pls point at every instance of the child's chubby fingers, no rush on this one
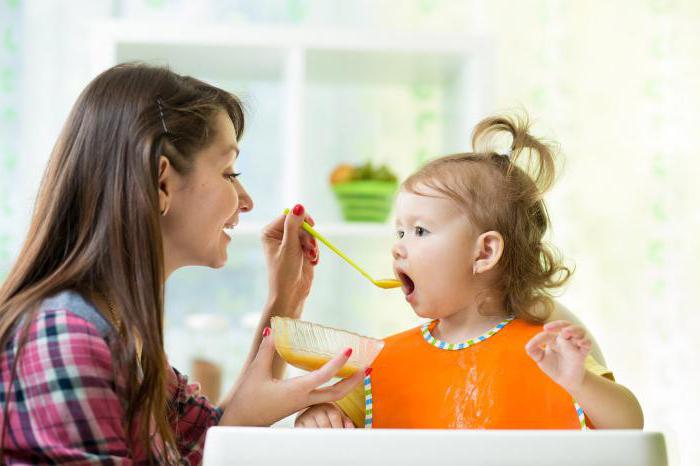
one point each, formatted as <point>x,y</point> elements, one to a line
<point>320,416</point>
<point>535,348</point>
<point>323,420</point>
<point>335,418</point>
<point>577,336</point>
<point>573,332</point>
<point>307,419</point>
<point>584,345</point>
<point>328,416</point>
<point>556,325</point>
<point>573,347</point>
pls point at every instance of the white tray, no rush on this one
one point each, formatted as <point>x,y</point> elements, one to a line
<point>336,447</point>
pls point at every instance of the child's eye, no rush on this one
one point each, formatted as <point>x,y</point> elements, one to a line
<point>399,233</point>
<point>420,231</point>
<point>231,177</point>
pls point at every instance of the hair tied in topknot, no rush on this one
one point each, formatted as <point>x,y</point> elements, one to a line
<point>507,154</point>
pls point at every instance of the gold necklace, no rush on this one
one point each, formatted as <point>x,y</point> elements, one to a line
<point>116,321</point>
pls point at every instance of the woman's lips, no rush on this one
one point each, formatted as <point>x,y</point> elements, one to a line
<point>229,227</point>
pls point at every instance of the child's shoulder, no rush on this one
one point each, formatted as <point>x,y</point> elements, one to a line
<point>521,329</point>
<point>517,331</point>
<point>405,336</point>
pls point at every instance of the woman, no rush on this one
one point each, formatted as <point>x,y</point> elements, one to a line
<point>140,183</point>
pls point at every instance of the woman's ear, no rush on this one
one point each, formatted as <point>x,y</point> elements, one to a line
<point>487,252</point>
<point>164,184</point>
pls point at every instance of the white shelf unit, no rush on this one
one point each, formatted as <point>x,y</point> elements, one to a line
<point>323,98</point>
<point>315,98</point>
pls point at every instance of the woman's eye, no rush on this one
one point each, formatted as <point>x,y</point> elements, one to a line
<point>420,231</point>
<point>231,177</point>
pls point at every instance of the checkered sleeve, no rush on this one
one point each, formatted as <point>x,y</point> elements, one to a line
<point>63,406</point>
<point>193,415</point>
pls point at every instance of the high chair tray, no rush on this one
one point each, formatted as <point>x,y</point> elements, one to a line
<point>344,447</point>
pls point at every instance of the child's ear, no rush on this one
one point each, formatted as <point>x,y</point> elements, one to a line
<point>488,251</point>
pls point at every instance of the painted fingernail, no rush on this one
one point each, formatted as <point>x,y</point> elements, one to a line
<point>368,371</point>
<point>348,352</point>
<point>298,210</point>
<point>266,332</point>
<point>314,262</point>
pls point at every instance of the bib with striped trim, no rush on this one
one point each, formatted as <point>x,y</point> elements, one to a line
<point>488,382</point>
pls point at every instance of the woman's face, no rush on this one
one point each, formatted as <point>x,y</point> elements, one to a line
<point>202,203</point>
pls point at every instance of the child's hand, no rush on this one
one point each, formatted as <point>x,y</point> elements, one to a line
<point>324,416</point>
<point>560,351</point>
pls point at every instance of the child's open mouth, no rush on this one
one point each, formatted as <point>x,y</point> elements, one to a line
<point>407,285</point>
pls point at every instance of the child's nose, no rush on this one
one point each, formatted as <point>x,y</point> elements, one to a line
<point>398,251</point>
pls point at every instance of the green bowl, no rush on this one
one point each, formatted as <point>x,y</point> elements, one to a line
<point>366,201</point>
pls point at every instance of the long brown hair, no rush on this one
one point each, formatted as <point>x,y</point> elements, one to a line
<point>504,192</point>
<point>96,222</point>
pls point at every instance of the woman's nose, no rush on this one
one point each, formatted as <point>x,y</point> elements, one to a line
<point>245,202</point>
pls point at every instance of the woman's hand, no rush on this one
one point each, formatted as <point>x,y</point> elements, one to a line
<point>560,350</point>
<point>323,416</point>
<point>291,254</point>
<point>261,400</point>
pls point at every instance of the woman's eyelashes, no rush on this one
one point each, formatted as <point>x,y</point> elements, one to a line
<point>231,177</point>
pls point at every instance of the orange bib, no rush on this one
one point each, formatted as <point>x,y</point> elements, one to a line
<point>486,383</point>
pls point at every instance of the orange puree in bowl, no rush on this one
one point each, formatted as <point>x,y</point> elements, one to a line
<point>311,362</point>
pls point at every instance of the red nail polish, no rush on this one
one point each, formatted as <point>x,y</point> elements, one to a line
<point>314,262</point>
<point>368,371</point>
<point>298,210</point>
<point>266,332</point>
<point>348,352</point>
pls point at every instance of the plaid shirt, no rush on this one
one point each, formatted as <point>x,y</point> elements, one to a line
<point>63,405</point>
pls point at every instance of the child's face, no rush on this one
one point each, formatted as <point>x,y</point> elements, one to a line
<point>434,253</point>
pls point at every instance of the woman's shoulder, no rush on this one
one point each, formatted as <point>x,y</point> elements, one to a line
<point>63,394</point>
<point>66,330</point>
<point>80,312</point>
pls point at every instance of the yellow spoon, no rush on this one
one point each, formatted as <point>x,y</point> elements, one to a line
<point>386,283</point>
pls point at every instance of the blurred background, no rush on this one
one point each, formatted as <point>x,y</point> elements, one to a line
<point>393,84</point>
